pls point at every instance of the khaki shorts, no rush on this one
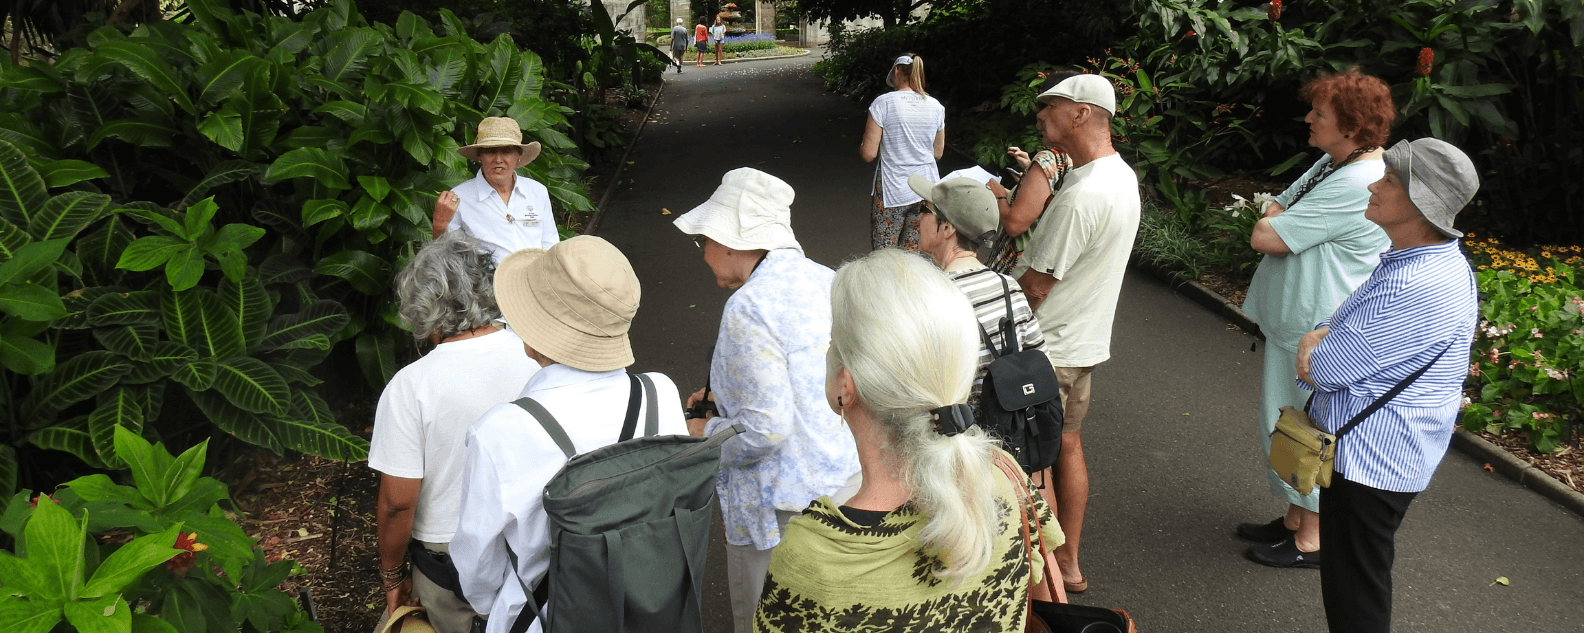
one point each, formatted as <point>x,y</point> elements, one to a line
<point>1075,385</point>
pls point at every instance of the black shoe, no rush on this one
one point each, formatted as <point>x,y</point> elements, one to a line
<point>1273,532</point>
<point>1284,554</point>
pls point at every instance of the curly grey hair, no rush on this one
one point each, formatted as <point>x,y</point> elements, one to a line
<point>448,288</point>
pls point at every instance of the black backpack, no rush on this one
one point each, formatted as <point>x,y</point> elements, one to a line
<point>1020,402</point>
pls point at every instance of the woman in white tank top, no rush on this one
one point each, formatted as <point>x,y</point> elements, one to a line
<point>907,132</point>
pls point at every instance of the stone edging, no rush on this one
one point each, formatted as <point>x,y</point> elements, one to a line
<point>1475,446</point>
<point>621,165</point>
<point>755,59</point>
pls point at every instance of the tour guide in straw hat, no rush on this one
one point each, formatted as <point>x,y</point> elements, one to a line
<point>572,306</point>
<point>505,210</point>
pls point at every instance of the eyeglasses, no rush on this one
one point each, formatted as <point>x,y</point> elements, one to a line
<point>698,240</point>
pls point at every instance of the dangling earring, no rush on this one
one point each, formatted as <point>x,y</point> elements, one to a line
<point>841,410</point>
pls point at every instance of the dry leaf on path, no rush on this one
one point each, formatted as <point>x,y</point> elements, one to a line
<point>665,211</point>
<point>1488,467</point>
<point>1501,580</point>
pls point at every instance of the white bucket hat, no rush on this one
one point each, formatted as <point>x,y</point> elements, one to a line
<point>499,131</point>
<point>751,210</point>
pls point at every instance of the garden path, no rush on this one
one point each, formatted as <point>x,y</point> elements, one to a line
<point>1173,460</point>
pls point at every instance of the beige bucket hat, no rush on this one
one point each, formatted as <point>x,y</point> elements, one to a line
<point>406,619</point>
<point>750,210</point>
<point>499,131</point>
<point>573,303</point>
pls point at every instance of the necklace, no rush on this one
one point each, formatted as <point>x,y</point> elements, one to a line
<point>1330,168</point>
<point>472,333</point>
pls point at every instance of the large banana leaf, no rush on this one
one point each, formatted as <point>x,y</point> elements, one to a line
<point>143,60</point>
<point>347,54</point>
<point>310,162</point>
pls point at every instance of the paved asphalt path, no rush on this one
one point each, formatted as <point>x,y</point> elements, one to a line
<point>1173,458</point>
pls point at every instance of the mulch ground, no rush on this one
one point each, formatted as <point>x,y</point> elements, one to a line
<point>1566,463</point>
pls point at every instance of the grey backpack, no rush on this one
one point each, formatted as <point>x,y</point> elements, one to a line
<point>629,528</point>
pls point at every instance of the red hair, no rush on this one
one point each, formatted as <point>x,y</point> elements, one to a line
<point>1362,103</point>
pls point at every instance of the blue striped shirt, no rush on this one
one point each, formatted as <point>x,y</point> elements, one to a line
<point>1415,302</point>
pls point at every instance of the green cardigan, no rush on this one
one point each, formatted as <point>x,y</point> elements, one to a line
<point>829,574</point>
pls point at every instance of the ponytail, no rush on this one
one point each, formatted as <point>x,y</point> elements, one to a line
<point>917,78</point>
<point>909,338</point>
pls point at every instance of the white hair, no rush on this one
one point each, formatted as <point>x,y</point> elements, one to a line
<point>908,337</point>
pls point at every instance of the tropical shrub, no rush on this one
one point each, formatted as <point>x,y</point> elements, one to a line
<point>1529,347</point>
<point>1499,79</point>
<point>159,556</point>
<point>228,199</point>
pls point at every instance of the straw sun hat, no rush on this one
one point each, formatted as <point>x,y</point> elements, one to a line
<point>573,303</point>
<point>499,131</point>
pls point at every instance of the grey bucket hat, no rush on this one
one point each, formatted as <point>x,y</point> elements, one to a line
<point>1439,178</point>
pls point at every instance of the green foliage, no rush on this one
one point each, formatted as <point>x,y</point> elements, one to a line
<point>1527,355</point>
<point>207,208</point>
<point>213,576</point>
<point>1498,79</point>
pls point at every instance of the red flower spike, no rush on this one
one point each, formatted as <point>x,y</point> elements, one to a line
<point>1274,11</point>
<point>182,562</point>
<point>1426,62</point>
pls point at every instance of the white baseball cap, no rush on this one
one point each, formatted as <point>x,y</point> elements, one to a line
<point>1091,89</point>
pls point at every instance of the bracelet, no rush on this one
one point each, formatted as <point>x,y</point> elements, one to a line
<point>392,577</point>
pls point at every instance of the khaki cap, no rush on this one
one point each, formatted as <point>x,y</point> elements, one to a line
<point>573,303</point>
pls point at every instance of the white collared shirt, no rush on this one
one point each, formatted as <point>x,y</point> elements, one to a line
<point>531,224</point>
<point>510,458</point>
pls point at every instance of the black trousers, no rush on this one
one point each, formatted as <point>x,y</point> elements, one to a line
<point>1358,530</point>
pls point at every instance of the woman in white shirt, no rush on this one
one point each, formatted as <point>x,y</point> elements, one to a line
<point>907,131</point>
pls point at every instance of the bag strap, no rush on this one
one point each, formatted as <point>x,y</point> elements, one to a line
<point>1019,481</point>
<point>551,426</point>
<point>537,595</point>
<point>634,399</point>
<point>1008,327</point>
<point>652,416</point>
<point>1381,401</point>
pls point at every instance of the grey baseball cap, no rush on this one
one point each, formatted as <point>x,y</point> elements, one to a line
<point>965,203</point>
<point>1439,178</point>
<point>1092,89</point>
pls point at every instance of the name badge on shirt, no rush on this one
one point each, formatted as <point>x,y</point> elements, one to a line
<point>530,220</point>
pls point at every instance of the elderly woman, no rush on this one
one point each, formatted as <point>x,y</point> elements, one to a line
<point>1022,206</point>
<point>448,300</point>
<point>906,130</point>
<point>505,210</point>
<point>1415,313</point>
<point>934,537</point>
<point>1318,247</point>
<point>768,374</point>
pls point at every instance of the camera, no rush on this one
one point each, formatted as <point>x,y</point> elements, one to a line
<point>703,409</point>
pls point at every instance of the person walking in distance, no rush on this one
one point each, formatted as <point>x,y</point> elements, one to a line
<point>679,40</point>
<point>1072,275</point>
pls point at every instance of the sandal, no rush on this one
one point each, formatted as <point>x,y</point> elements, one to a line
<point>1076,587</point>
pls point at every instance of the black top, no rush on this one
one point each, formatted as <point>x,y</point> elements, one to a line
<point>867,518</point>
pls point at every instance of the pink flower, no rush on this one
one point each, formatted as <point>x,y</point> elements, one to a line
<point>1474,369</point>
<point>1556,375</point>
<point>1539,416</point>
<point>1535,332</point>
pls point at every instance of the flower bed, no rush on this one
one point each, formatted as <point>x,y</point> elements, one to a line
<point>1530,344</point>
